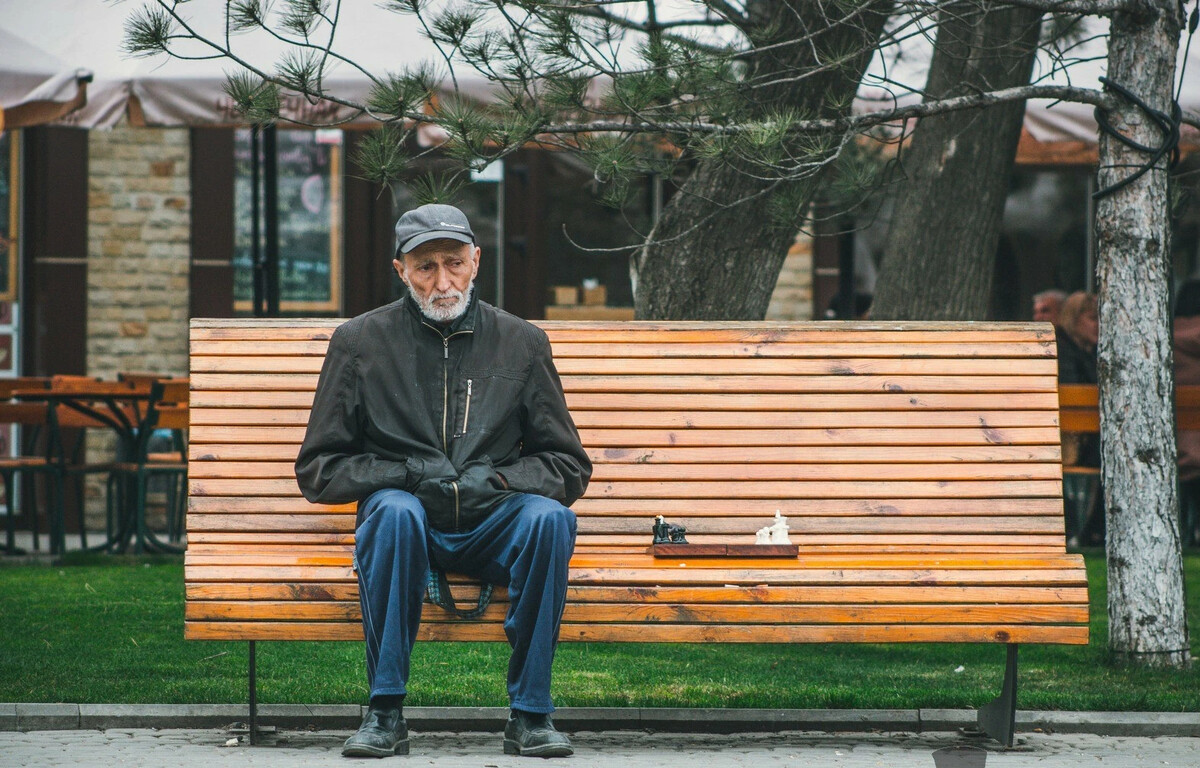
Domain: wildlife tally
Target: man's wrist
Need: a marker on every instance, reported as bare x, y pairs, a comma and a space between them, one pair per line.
503, 480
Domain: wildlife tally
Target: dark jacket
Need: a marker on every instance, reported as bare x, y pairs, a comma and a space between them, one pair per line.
404, 403
1075, 364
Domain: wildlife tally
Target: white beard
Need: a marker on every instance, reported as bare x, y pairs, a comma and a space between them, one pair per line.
444, 314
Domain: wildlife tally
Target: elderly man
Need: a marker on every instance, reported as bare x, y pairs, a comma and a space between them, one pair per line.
1047, 305
444, 418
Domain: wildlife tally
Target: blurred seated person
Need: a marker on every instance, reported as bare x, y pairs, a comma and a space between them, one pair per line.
1186, 342
1078, 333
1047, 305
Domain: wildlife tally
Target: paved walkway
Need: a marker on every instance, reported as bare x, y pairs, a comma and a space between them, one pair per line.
209, 748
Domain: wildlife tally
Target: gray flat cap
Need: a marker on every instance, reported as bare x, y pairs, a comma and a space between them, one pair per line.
432, 222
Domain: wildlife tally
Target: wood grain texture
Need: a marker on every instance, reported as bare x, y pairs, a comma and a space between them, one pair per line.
919, 465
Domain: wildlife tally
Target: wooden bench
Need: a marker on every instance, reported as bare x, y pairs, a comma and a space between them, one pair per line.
1079, 412
919, 466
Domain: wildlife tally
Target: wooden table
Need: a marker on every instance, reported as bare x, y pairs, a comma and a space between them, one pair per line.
122, 407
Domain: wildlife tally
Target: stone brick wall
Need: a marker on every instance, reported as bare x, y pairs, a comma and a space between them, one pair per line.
793, 296
139, 202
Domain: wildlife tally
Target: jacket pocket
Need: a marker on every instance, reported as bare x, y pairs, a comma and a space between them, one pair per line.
485, 400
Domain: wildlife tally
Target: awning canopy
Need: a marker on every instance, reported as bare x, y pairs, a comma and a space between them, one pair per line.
36, 87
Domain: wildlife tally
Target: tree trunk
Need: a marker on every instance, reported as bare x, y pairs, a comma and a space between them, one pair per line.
941, 247
710, 259
1146, 619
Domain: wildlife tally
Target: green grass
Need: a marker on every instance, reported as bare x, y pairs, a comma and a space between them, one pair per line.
110, 630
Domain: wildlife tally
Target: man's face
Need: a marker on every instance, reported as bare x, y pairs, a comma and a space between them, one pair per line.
440, 274
1088, 328
1045, 310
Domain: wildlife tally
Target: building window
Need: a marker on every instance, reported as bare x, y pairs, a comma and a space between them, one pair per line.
310, 222
9, 213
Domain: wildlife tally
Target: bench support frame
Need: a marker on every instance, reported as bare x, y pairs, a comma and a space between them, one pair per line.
253, 735
998, 718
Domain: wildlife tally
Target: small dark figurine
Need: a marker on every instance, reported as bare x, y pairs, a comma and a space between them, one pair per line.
676, 533
662, 531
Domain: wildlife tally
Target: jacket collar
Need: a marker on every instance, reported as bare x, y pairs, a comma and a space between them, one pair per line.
465, 323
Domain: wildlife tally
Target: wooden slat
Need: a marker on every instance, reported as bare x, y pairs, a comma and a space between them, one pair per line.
832, 454
879, 401
604, 472
297, 417
652, 438
906, 348
724, 383
311, 354
698, 490
648, 508
658, 613
852, 366
648, 633
841, 594
603, 438
256, 329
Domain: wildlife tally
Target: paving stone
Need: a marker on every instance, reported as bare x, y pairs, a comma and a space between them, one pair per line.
206, 748
768, 720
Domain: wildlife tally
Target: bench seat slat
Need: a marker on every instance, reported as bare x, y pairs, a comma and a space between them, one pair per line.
635, 529
469, 590
660, 613
650, 633
760, 573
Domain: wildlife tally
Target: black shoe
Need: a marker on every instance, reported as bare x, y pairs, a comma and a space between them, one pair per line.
383, 732
533, 735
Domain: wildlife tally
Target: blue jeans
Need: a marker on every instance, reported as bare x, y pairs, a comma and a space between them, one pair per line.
524, 545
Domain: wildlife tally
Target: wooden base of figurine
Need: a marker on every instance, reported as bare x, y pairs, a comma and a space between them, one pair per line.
725, 550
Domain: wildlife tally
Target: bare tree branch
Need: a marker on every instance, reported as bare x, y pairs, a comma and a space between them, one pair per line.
855, 122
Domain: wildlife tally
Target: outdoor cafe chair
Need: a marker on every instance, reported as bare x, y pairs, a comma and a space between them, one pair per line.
167, 409
74, 417
171, 424
36, 424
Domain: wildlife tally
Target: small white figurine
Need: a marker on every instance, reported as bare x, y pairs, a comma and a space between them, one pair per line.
776, 533
779, 530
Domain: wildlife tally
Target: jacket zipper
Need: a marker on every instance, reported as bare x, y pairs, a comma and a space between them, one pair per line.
446, 404
446, 399
445, 382
467, 410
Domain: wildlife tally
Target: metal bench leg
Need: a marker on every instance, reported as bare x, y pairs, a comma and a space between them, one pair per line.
253, 736
998, 718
